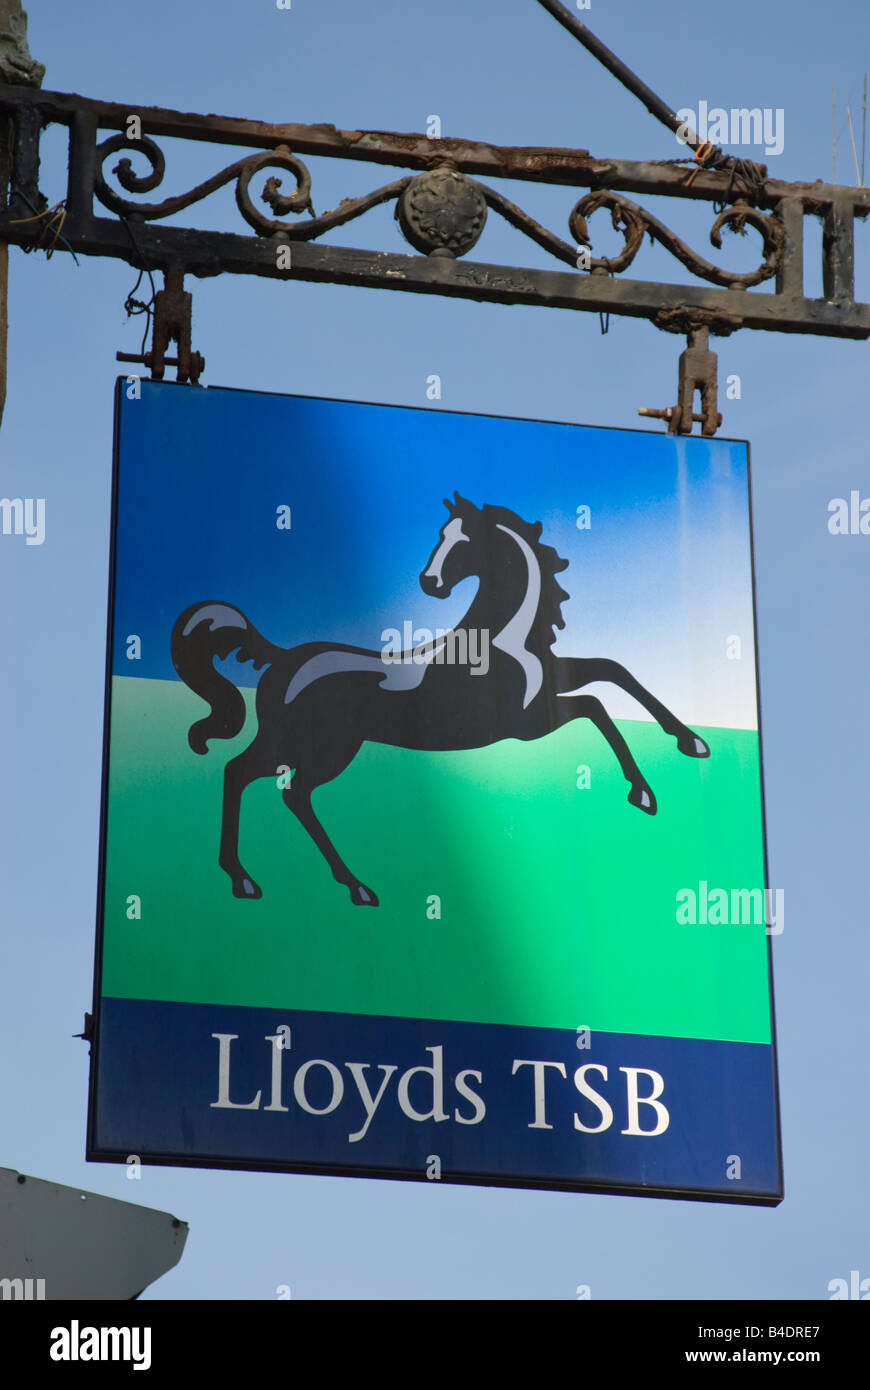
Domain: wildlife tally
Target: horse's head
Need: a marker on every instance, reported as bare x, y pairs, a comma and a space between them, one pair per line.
455, 556
517, 571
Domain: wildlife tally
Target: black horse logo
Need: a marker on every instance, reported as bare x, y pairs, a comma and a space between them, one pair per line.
319, 702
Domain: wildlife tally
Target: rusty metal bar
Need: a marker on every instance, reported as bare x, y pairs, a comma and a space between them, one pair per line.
617, 68
790, 276
209, 254
572, 167
24, 185
82, 168
838, 278
748, 176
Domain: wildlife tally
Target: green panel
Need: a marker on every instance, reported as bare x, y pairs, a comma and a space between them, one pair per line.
558, 904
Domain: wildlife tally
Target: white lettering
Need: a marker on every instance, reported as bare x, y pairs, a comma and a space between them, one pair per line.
540, 1120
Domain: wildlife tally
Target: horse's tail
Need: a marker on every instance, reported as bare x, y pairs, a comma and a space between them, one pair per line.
202, 632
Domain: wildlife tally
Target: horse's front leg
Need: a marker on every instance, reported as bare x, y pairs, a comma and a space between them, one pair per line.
573, 672
238, 773
588, 707
298, 798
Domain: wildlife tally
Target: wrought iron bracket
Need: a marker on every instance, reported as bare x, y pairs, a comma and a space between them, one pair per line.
173, 309
444, 204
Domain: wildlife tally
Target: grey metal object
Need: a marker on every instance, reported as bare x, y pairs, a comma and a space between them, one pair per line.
73, 1244
442, 211
17, 66
16, 63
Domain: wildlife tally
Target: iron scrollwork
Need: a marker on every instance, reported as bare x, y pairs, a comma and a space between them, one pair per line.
241, 171
633, 222
442, 212
280, 203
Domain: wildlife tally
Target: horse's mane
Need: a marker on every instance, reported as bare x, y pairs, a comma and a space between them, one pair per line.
550, 561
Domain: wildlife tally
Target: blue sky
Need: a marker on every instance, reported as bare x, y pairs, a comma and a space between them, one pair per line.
509, 74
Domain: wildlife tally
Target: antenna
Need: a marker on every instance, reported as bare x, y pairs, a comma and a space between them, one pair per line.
852, 139
863, 132
834, 130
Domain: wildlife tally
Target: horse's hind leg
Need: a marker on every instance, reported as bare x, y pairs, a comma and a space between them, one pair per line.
589, 707
574, 672
239, 771
298, 797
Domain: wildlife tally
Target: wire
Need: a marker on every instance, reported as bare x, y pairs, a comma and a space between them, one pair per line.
57, 216
138, 306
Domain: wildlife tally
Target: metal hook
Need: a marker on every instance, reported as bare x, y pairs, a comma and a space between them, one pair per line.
173, 310
697, 371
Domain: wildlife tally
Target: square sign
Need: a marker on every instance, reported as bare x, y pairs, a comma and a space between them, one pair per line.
432, 840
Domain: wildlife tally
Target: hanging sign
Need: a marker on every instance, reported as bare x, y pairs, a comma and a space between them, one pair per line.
432, 839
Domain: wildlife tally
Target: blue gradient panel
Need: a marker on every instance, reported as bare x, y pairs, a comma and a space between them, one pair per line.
205, 471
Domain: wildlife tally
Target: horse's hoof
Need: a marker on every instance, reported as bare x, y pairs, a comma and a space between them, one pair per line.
246, 888
693, 746
642, 797
362, 896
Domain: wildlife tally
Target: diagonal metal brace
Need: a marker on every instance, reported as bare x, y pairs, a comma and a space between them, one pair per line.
173, 309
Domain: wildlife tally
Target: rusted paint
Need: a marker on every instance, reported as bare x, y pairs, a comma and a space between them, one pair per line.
574, 167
